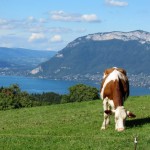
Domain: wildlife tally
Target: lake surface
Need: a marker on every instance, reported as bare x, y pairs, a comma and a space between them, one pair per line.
36, 85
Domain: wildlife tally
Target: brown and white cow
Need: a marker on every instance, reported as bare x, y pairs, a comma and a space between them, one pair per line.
114, 91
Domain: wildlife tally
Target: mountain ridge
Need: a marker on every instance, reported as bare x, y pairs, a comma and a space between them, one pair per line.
88, 56
14, 60
142, 36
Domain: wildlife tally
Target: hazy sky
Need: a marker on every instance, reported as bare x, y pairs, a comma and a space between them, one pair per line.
52, 24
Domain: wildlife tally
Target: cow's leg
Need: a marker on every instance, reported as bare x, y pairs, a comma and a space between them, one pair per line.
106, 116
116, 125
105, 122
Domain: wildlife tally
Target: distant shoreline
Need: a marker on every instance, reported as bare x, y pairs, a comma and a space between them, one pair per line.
38, 85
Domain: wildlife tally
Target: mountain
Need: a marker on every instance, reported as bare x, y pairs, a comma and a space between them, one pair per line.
18, 59
92, 54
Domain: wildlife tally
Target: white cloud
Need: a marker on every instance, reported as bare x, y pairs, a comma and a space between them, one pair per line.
116, 3
36, 37
89, 18
42, 20
59, 30
63, 16
56, 38
6, 24
31, 19
3, 21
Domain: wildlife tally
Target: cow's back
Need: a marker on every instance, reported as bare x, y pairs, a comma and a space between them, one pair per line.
115, 85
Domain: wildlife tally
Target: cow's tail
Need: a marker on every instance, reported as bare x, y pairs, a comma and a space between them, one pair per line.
117, 93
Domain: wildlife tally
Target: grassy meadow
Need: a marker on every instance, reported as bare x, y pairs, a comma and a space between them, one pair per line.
74, 126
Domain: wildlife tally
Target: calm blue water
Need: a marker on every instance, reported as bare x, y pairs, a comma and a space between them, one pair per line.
36, 85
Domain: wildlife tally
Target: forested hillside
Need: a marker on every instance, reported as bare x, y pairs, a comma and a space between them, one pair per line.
94, 53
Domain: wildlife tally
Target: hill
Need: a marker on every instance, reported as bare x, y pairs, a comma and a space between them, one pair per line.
15, 60
92, 54
73, 126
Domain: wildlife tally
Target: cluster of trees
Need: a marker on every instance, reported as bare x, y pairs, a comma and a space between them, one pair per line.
12, 97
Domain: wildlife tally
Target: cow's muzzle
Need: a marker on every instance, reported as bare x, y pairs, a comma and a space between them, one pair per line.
120, 129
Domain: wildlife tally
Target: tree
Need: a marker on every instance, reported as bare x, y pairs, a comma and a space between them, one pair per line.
81, 92
12, 97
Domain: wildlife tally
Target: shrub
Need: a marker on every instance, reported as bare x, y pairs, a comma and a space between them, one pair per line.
80, 92
12, 97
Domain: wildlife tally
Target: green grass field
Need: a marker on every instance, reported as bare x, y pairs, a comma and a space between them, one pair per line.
74, 126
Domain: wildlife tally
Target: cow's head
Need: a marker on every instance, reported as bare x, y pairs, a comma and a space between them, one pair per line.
120, 117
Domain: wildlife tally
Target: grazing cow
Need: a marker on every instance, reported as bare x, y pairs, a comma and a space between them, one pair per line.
114, 91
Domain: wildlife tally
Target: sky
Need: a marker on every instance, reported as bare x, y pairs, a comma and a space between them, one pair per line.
52, 24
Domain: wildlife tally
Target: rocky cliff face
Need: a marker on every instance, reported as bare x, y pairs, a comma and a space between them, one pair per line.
141, 36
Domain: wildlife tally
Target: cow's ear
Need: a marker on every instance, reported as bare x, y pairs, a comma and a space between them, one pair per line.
130, 114
108, 112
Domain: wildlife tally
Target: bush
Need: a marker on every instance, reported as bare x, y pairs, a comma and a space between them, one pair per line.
65, 99
12, 97
80, 92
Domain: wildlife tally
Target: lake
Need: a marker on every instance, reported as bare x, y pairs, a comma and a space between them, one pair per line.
36, 85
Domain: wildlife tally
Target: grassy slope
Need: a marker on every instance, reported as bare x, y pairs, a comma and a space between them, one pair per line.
73, 126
